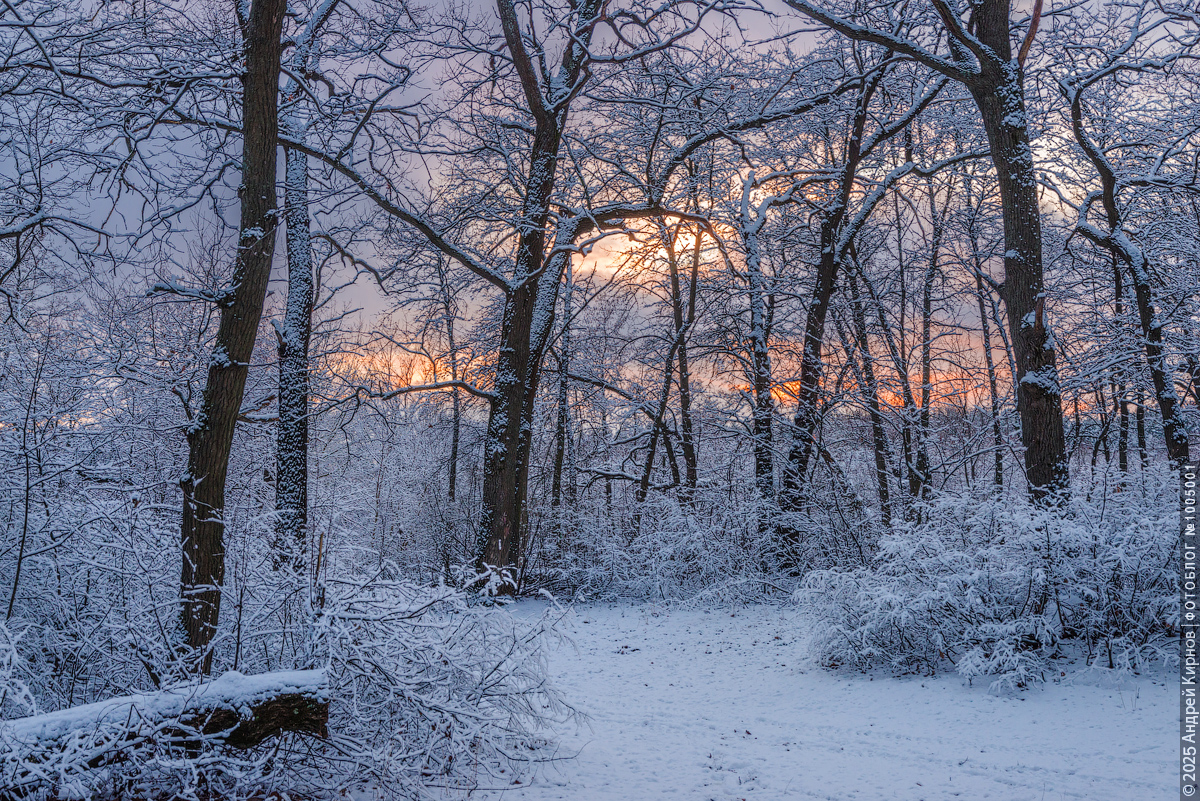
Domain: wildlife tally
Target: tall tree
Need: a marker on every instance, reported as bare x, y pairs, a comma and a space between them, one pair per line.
210, 434
981, 57
1137, 45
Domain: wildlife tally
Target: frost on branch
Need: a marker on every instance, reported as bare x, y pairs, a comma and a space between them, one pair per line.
78, 750
416, 689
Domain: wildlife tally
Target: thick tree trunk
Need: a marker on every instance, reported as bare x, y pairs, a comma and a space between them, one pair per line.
531, 296
47, 752
509, 432
210, 434
1000, 96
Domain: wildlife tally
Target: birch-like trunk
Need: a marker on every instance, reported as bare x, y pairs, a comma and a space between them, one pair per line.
761, 380
291, 447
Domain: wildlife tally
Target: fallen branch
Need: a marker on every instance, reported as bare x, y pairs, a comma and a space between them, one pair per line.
236, 711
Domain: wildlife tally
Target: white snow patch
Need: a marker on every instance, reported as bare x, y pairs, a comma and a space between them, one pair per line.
719, 704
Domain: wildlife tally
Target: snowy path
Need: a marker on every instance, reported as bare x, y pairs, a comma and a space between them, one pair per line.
711, 705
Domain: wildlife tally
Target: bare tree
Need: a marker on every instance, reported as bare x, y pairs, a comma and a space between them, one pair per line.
981, 58
1146, 39
211, 434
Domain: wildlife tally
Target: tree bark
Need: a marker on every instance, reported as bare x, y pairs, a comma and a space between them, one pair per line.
291, 448
1000, 96
210, 434
684, 318
871, 385
531, 298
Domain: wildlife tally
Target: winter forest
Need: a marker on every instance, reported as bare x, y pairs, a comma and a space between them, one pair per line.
386, 386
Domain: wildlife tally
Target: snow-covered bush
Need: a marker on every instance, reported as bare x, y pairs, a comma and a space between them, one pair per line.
718, 548
994, 587
669, 551
425, 691
430, 690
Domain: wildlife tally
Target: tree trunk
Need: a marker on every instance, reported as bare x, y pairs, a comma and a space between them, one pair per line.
1002, 106
989, 362
1174, 430
531, 296
455, 398
760, 361
562, 428
1139, 416
811, 368
210, 434
921, 484
871, 385
658, 426
291, 449
1124, 250
507, 446
683, 323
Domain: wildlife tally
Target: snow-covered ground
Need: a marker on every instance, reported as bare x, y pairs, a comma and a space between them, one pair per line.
715, 704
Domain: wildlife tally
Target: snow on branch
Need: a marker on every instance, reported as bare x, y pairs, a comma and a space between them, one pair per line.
56, 749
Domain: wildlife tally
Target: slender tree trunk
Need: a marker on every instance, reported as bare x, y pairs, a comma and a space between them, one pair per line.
760, 360
811, 368
993, 384
210, 434
921, 485
938, 220
657, 426
871, 385
27, 458
1119, 389
900, 365
291, 449
684, 320
1139, 417
448, 315
562, 428
1174, 429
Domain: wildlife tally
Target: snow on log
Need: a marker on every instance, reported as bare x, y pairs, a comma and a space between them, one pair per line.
234, 710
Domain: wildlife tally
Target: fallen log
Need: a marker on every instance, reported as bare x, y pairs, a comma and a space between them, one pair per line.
236, 711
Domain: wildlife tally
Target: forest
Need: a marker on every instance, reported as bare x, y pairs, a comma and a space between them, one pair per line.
336, 333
